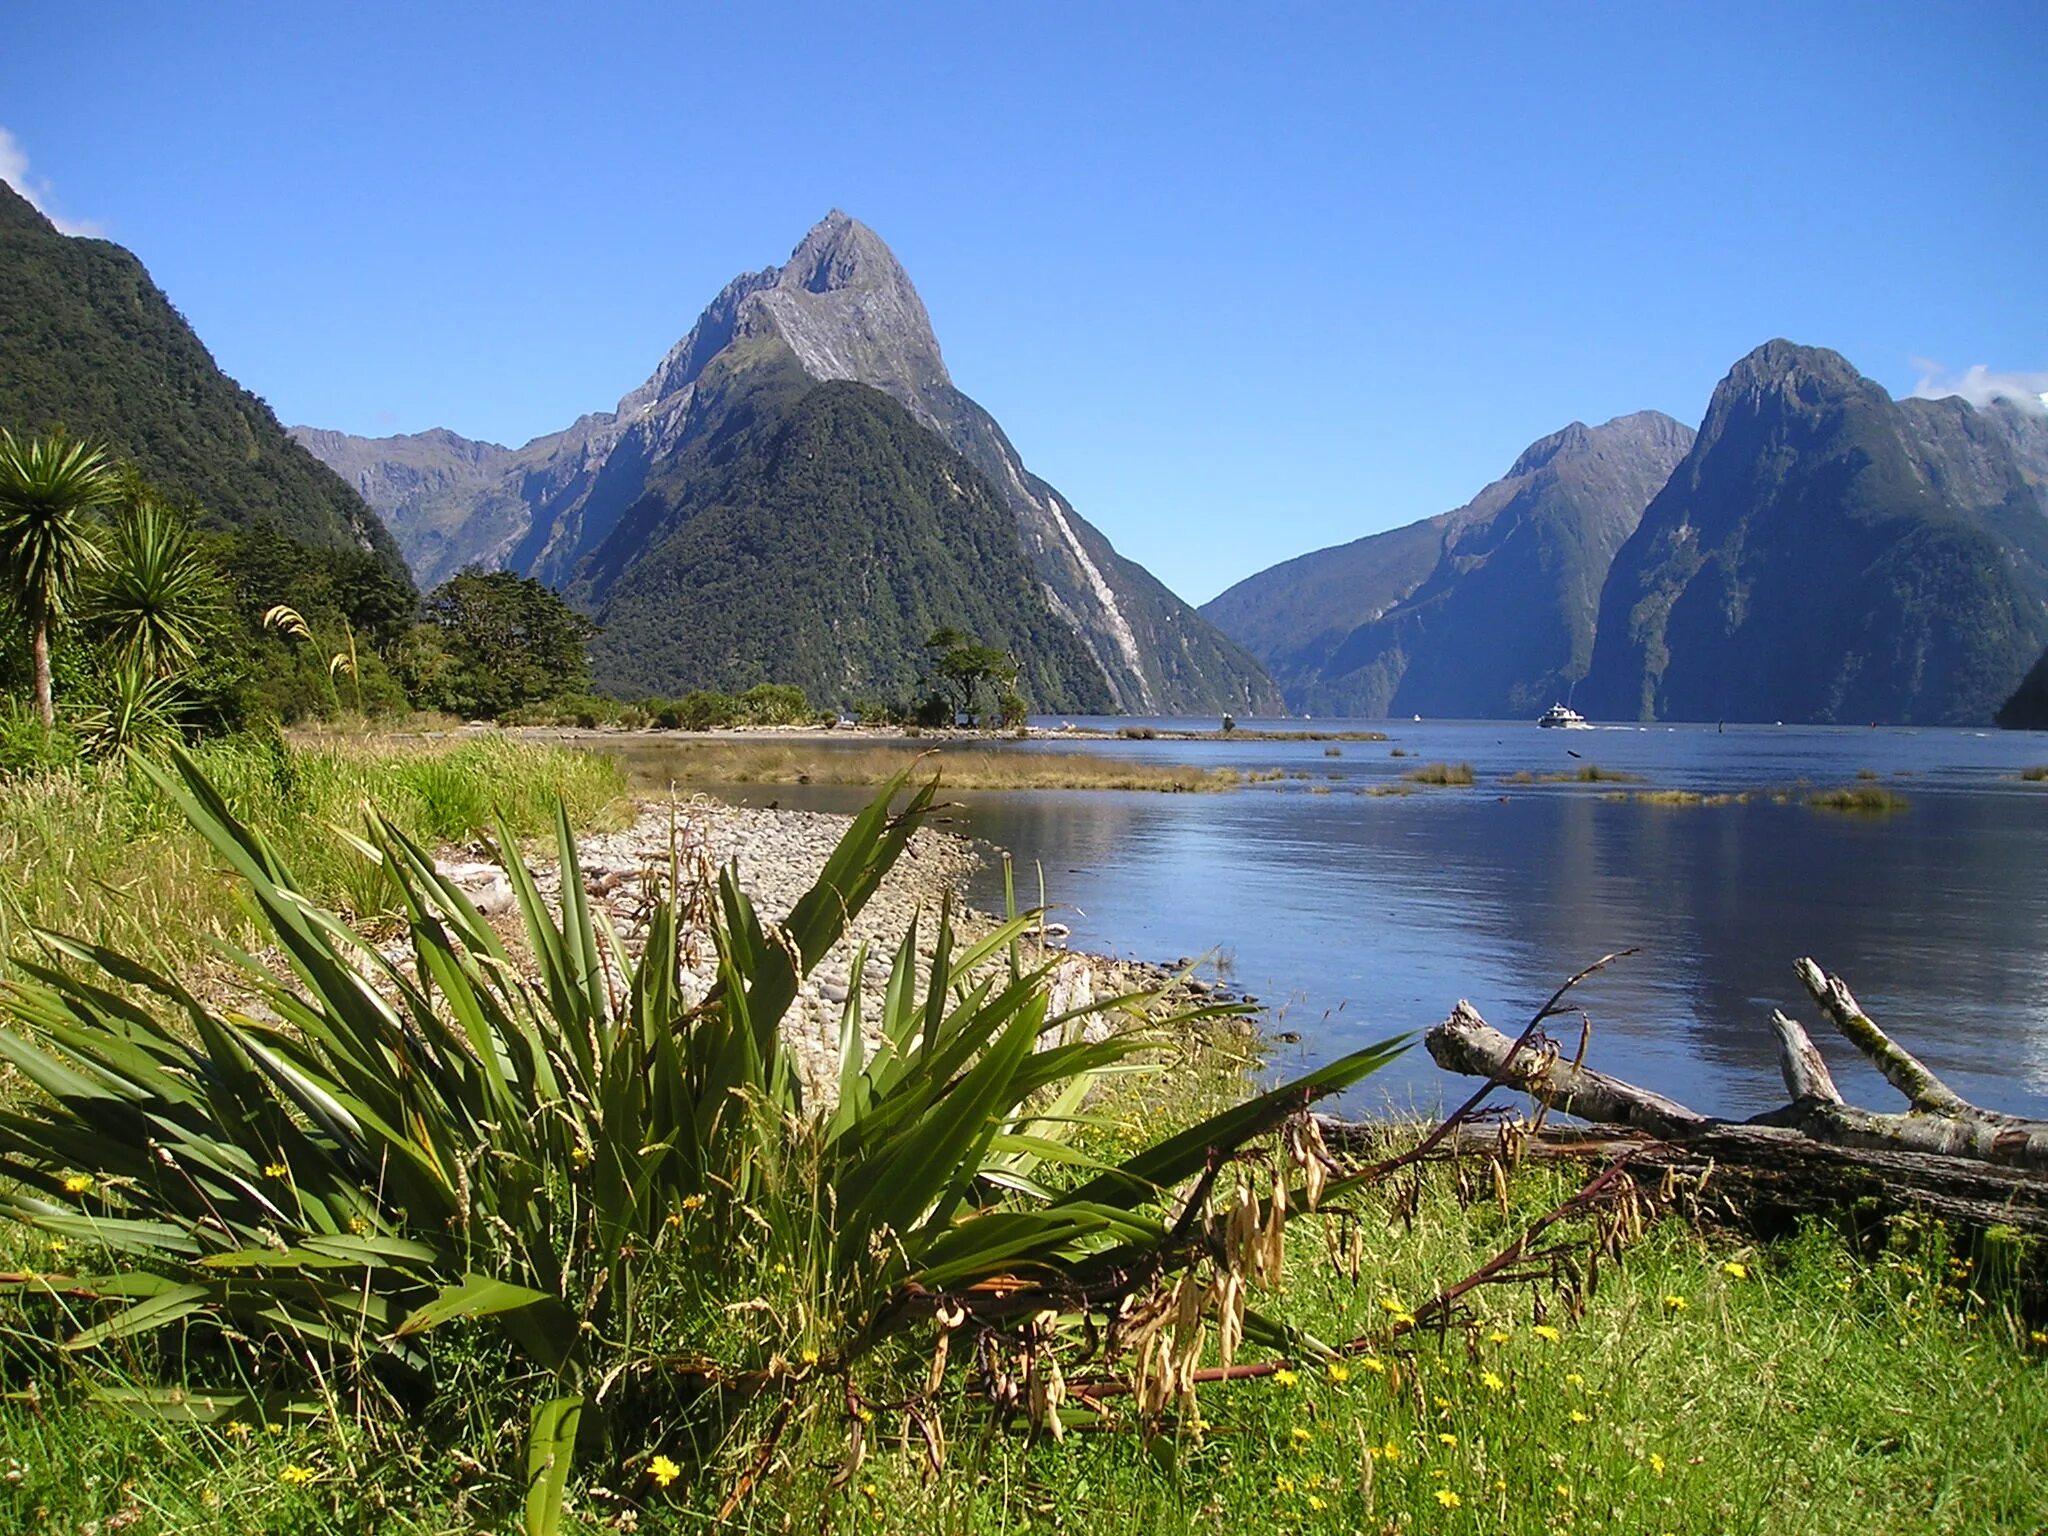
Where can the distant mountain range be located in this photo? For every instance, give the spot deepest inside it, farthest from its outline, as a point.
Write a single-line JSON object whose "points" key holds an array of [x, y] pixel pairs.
{"points": [[89, 343], [1484, 612], [718, 485], [1818, 552]]}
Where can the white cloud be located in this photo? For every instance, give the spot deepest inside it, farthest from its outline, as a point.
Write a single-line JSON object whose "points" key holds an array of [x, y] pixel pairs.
{"points": [[1980, 386], [14, 171]]}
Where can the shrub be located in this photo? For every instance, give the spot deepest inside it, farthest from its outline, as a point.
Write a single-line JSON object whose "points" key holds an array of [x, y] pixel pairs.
{"points": [[591, 1166], [774, 704], [28, 747]]}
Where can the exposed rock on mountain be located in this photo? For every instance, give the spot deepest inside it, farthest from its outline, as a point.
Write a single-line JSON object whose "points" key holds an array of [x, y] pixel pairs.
{"points": [[842, 308], [1826, 553], [89, 343], [1486, 611]]}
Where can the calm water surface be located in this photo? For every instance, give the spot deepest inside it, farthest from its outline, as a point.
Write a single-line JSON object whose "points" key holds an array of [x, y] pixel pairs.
{"points": [[1355, 916]]}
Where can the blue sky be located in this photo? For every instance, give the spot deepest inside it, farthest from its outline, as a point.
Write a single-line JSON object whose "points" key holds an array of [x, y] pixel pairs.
{"points": [[1241, 280]]}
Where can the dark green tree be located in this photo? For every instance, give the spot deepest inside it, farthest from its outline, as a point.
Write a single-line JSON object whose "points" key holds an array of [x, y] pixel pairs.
{"points": [[497, 641], [963, 667]]}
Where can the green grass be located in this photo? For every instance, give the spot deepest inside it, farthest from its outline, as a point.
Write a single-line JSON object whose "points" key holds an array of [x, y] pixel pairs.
{"points": [[99, 853], [1802, 1392], [1440, 773]]}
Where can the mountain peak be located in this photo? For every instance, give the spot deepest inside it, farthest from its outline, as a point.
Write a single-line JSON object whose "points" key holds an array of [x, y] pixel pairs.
{"points": [[1785, 367], [840, 252], [1647, 431]]}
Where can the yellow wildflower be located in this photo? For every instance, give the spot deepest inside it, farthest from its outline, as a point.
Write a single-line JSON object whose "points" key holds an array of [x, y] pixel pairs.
{"points": [[1446, 1439], [663, 1471], [1675, 1303], [1379, 1367], [1390, 1452], [276, 1171], [1299, 1437], [1448, 1499], [1339, 1371], [1546, 1333], [1389, 1304], [1574, 1379], [298, 1476], [1580, 1418], [693, 1202], [1492, 1383], [1735, 1269], [808, 1355], [1656, 1463], [1564, 1491], [235, 1429], [1315, 1502], [78, 1184], [58, 1245], [1284, 1377], [1496, 1337], [1404, 1319], [1283, 1484]]}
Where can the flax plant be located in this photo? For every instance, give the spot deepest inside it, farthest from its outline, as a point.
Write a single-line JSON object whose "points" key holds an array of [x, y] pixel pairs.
{"points": [[568, 1151]]}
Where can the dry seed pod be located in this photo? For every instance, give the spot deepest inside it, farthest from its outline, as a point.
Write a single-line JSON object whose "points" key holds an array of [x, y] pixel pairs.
{"points": [[1500, 1187], [948, 1319], [1049, 1390], [1228, 1295], [1187, 1329], [1241, 1233], [1272, 1251]]}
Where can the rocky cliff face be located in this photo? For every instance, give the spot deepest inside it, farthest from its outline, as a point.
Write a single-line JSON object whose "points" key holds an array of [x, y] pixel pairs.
{"points": [[1825, 553], [1487, 611], [844, 309]]}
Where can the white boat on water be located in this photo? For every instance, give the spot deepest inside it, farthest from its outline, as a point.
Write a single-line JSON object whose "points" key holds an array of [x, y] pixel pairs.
{"points": [[1559, 718]]}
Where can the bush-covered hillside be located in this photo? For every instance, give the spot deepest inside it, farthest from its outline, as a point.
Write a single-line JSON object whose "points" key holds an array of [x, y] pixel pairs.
{"points": [[820, 541], [88, 342]]}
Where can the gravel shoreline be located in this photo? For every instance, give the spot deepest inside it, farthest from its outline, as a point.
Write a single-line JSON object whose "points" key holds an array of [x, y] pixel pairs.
{"points": [[779, 853]]}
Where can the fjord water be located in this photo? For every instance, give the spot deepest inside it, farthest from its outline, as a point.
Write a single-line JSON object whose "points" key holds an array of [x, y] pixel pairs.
{"points": [[1354, 916]]}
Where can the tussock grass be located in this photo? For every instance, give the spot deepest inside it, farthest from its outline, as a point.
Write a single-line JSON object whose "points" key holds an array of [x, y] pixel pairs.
{"points": [[1684, 797], [1587, 773], [1863, 800], [99, 853], [1440, 773], [2035, 775], [961, 766]]}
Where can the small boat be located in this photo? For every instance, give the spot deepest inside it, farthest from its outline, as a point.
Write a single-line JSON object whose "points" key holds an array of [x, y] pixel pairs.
{"points": [[1559, 718]]}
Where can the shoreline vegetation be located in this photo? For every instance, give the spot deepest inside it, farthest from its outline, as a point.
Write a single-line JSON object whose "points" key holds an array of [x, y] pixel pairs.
{"points": [[1795, 1382]]}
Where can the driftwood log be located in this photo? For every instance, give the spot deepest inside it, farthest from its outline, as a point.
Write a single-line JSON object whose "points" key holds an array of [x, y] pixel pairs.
{"points": [[1943, 1156]]}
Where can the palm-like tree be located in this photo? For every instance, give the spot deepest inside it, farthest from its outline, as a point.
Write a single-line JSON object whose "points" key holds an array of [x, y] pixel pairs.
{"points": [[158, 599], [49, 488]]}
